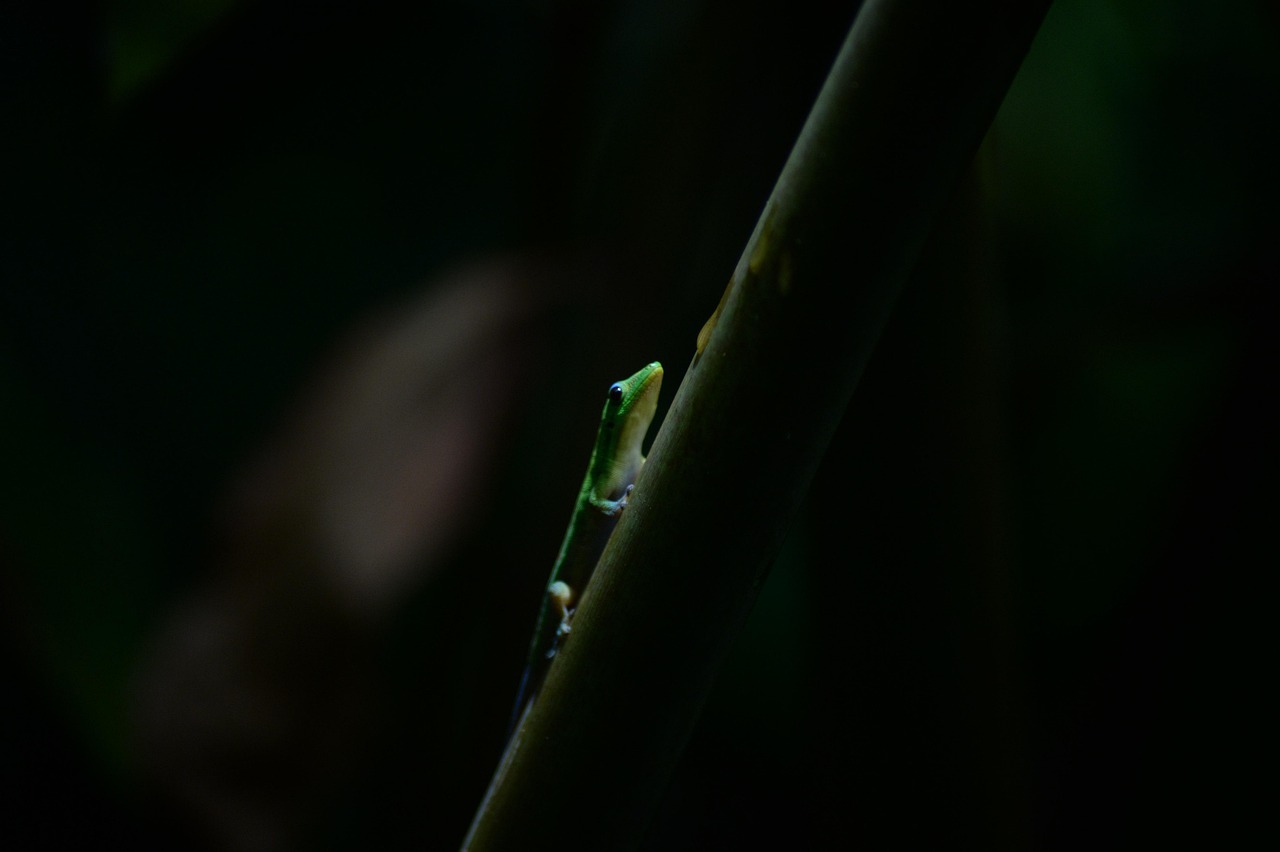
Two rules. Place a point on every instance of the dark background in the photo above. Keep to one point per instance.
(306, 311)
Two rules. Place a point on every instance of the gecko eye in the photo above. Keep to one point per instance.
(615, 393)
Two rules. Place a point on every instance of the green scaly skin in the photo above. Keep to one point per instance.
(615, 463)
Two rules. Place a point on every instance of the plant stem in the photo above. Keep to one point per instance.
(902, 112)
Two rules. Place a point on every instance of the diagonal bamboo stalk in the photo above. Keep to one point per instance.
(904, 108)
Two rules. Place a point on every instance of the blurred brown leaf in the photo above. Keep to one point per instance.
(258, 688)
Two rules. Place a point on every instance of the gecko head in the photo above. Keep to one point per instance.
(628, 411)
(634, 399)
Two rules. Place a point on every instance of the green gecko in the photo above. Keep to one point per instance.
(615, 462)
